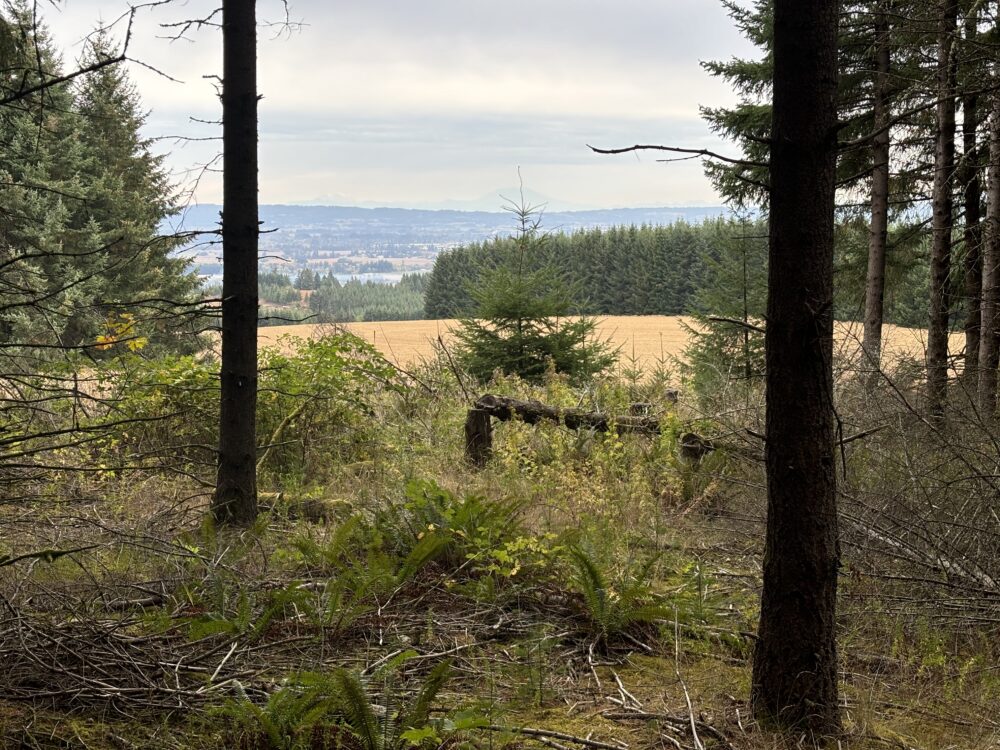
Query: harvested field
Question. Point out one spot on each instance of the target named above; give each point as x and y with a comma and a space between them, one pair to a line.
647, 337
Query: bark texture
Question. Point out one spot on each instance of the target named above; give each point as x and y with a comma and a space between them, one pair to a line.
795, 660
989, 350
478, 437
942, 220
970, 183
235, 499
879, 233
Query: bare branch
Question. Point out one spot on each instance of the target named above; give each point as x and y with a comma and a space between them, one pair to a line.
677, 150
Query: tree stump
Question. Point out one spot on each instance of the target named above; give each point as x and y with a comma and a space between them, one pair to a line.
478, 437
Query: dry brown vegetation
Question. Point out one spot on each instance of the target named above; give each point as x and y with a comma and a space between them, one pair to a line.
648, 337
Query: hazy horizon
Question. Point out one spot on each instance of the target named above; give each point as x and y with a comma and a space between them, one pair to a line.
396, 104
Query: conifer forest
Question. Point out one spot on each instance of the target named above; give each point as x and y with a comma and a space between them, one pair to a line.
228, 520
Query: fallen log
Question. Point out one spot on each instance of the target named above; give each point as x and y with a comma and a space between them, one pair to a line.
506, 408
479, 433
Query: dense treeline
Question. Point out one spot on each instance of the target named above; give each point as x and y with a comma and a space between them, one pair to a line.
331, 301
621, 271
673, 270
276, 288
357, 300
918, 144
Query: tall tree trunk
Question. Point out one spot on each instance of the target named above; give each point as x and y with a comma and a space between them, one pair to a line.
235, 499
970, 184
944, 167
795, 660
989, 341
875, 283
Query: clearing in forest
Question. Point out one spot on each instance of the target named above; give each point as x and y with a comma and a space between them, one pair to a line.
647, 338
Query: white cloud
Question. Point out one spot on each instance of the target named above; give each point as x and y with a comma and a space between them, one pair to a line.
391, 100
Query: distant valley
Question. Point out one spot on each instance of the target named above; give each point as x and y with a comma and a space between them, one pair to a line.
381, 244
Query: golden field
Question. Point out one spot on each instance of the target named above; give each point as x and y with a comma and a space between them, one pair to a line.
648, 338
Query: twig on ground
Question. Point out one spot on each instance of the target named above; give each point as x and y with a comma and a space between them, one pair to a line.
553, 735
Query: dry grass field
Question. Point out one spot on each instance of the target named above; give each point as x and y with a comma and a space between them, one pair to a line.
647, 338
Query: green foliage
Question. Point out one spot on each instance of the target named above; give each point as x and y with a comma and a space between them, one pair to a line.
313, 405
316, 401
360, 566
276, 288
219, 598
724, 352
466, 538
283, 316
358, 300
690, 269
340, 710
330, 301
84, 197
309, 279
520, 325
724, 357
613, 607
618, 271
233, 609
907, 273
485, 536
748, 123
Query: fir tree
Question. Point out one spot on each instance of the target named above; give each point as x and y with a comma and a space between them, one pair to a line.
521, 325
84, 199
731, 347
128, 197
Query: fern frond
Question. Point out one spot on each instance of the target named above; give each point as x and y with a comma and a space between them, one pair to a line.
241, 692
356, 707
591, 584
425, 551
420, 709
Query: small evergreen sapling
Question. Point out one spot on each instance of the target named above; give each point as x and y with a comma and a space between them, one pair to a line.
520, 325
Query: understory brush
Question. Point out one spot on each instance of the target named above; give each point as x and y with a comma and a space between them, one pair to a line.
314, 406
585, 584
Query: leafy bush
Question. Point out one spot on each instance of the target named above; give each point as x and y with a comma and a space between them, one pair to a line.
358, 566
313, 405
468, 534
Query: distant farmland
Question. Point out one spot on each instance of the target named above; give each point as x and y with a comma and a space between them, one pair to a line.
648, 338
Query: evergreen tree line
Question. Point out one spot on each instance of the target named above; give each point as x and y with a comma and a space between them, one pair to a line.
355, 300
277, 289
618, 271
332, 301
675, 270
83, 198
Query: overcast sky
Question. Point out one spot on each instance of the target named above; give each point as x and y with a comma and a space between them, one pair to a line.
398, 102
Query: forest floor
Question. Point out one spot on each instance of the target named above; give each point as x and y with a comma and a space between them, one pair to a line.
593, 592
